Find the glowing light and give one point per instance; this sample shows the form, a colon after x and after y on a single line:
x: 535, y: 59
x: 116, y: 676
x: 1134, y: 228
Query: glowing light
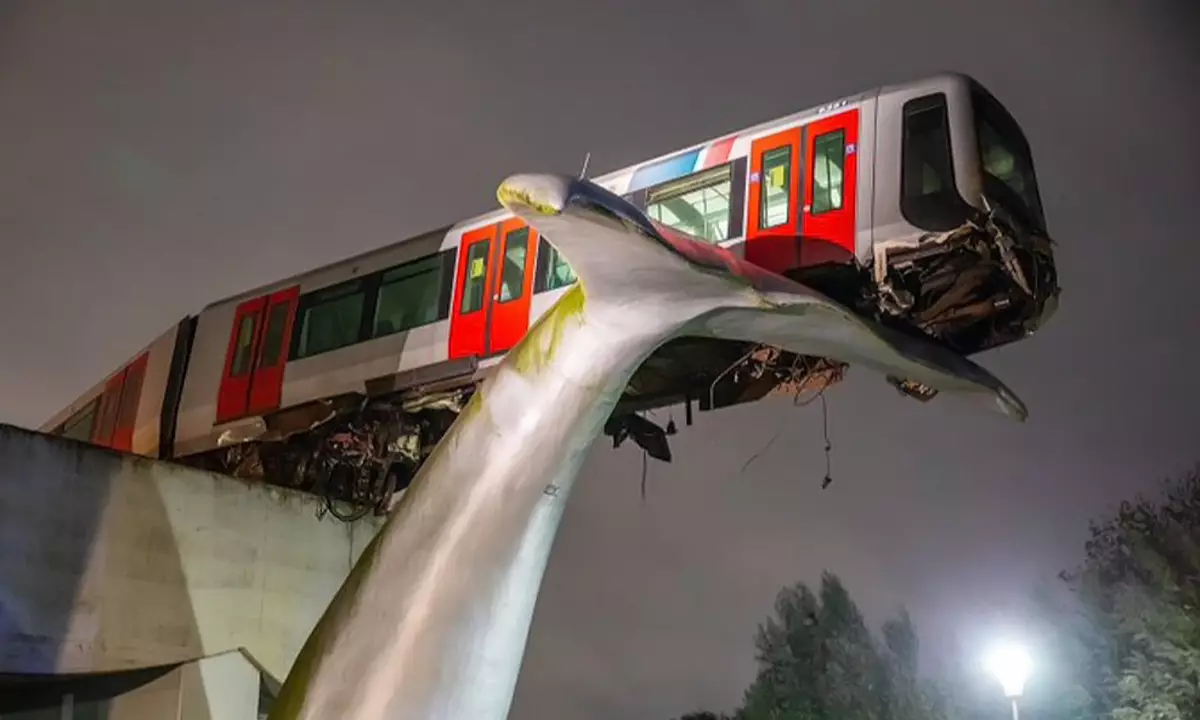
x: 1011, y: 665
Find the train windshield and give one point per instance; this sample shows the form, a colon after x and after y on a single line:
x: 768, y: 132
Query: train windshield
x: 1008, y: 178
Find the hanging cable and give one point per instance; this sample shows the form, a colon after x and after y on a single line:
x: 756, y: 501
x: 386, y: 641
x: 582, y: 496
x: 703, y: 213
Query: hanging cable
x: 796, y: 402
x: 644, y: 476
x: 828, y: 445
x: 712, y: 389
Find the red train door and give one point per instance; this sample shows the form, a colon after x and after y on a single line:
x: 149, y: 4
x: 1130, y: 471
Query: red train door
x: 469, y: 314
x: 131, y: 395
x: 831, y: 186
x: 116, y: 416
x: 266, y: 383
x: 233, y: 398
x: 495, y: 285
x: 252, y: 381
x: 513, y: 286
x: 106, y: 414
x: 773, y: 226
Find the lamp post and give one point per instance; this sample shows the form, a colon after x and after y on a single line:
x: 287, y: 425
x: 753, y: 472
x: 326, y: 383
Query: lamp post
x: 1010, y: 664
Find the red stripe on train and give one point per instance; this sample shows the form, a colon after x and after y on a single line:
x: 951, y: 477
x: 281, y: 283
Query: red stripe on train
x: 719, y: 152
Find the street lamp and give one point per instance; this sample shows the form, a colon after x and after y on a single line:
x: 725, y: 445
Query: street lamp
x: 1011, y: 665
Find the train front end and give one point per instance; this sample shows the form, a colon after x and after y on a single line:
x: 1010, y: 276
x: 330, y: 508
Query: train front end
x: 965, y: 256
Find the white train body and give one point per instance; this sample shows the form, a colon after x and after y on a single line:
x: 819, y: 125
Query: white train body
x: 891, y: 201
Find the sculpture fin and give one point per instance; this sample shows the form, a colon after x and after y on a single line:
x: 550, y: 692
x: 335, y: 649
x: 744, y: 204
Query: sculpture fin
x: 433, y: 619
x: 621, y: 256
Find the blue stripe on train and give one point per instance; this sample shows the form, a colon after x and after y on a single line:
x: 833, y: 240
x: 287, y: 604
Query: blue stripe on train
x: 664, y: 170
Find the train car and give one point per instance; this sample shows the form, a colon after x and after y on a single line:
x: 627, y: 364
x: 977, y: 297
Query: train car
x: 131, y: 410
x: 915, y: 204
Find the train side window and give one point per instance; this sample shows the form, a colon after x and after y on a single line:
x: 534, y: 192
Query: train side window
x: 776, y: 187
x: 512, y: 275
x: 698, y: 204
x: 928, y: 196
x: 331, y: 319
x: 829, y: 155
x: 79, y: 426
x: 476, y: 285
x: 409, y: 296
x: 553, y: 271
x: 245, y: 346
x: 273, y: 335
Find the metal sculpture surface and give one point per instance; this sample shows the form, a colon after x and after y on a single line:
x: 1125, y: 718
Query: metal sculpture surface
x: 432, y: 621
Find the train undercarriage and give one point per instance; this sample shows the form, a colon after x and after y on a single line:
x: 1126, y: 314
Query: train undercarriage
x: 976, y: 287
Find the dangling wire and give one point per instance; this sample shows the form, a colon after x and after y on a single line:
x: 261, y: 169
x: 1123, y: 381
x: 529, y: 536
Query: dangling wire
x: 712, y: 389
x: 644, y: 476
x: 796, y: 402
x: 828, y: 445
x: 750, y: 460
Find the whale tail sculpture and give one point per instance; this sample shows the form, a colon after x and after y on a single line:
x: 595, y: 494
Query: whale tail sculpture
x: 433, y: 619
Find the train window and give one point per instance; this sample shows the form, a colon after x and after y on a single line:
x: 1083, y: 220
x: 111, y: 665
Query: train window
x: 829, y: 155
x: 79, y: 426
x: 332, y: 319
x: 273, y: 336
x: 1007, y: 162
x: 776, y: 187
x: 512, y: 276
x: 928, y: 196
x: 698, y: 204
x: 553, y: 272
x: 409, y: 296
x: 476, y: 284
x: 244, y: 348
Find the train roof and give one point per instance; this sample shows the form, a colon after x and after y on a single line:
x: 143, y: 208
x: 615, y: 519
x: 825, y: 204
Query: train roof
x: 491, y: 215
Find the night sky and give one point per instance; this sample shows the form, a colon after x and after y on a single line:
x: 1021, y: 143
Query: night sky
x: 157, y: 156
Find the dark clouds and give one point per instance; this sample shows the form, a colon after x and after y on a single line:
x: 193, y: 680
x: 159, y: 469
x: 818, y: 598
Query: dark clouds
x: 153, y: 158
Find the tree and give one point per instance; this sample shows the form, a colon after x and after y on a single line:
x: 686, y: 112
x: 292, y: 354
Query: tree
x: 1133, y: 629
x: 817, y: 660
x: 1124, y: 644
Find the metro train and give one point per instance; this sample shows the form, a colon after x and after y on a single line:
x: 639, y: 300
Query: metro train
x: 914, y: 204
